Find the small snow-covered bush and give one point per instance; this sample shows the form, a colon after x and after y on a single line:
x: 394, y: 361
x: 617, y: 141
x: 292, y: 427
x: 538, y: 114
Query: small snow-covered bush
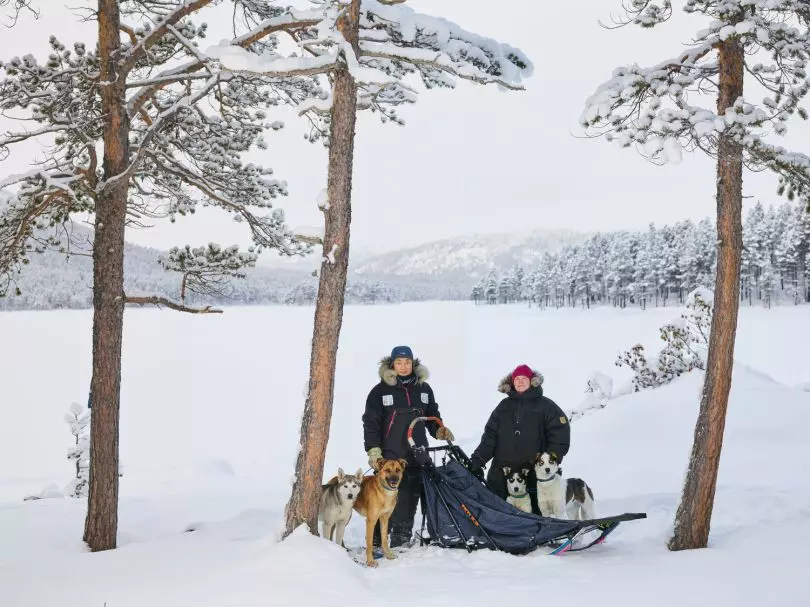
x: 685, y: 342
x: 598, y: 391
x: 79, y: 421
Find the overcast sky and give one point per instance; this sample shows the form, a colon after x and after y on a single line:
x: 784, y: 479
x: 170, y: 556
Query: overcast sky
x: 476, y: 159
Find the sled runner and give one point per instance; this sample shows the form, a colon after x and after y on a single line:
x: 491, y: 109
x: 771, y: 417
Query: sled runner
x: 460, y: 511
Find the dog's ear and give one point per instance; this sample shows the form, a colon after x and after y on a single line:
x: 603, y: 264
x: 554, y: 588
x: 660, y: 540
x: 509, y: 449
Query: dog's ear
x: 507, y: 471
x: 525, y: 471
x: 359, y: 474
x: 552, y: 458
x: 341, y: 475
x: 378, y: 464
x: 403, y: 463
x: 537, y: 457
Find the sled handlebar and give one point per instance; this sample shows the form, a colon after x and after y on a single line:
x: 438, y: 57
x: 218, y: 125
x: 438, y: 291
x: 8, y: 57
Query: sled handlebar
x: 415, y: 421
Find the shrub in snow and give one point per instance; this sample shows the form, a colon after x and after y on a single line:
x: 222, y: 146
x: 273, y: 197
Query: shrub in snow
x: 685, y: 342
x: 79, y: 421
x: 598, y: 389
x: 600, y: 385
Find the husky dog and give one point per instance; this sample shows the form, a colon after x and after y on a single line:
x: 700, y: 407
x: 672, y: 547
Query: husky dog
x: 378, y: 496
x: 516, y: 481
x: 572, y: 500
x: 337, y: 500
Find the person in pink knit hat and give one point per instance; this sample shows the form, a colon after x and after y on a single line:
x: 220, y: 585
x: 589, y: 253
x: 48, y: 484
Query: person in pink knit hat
x: 523, y: 424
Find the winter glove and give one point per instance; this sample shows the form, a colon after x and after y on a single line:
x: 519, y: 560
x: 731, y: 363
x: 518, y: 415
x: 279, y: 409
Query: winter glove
x: 374, y: 455
x: 476, y: 465
x: 444, y: 433
x: 476, y: 468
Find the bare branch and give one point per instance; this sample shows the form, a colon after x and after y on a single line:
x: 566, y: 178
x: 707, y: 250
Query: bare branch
x: 154, y: 300
x: 19, y: 6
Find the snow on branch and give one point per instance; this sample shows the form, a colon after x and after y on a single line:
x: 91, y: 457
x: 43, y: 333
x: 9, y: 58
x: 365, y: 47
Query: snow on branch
x: 139, y: 51
x: 208, y: 270
x: 402, y: 35
x: 37, y: 218
x: 238, y: 60
x: 395, y: 42
x: 650, y: 107
x: 190, y: 125
x: 644, y: 13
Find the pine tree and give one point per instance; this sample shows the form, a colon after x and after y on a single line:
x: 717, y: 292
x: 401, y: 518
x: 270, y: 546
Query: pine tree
x: 129, y: 133
x: 505, y: 289
x: 802, y: 248
x: 79, y: 453
x: 491, y: 290
x: 654, y: 108
x: 367, y: 48
x: 477, y: 293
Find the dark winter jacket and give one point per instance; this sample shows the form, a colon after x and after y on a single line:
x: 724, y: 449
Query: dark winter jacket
x: 390, y: 408
x: 523, y: 425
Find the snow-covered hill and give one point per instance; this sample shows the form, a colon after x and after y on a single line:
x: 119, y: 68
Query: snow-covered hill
x: 441, y: 270
x: 234, y: 395
x: 468, y: 256
x: 53, y: 281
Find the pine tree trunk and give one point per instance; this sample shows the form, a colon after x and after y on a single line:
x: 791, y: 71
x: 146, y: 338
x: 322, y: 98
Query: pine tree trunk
x: 694, y: 514
x: 305, y: 498
x: 101, y: 525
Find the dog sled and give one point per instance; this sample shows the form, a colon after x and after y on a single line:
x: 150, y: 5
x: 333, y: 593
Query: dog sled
x: 460, y: 511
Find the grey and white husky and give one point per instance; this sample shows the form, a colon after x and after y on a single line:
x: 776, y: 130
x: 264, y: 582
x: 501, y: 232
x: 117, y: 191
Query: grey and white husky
x: 337, y: 499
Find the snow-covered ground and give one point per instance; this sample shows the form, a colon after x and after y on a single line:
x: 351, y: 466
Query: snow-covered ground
x: 210, y: 414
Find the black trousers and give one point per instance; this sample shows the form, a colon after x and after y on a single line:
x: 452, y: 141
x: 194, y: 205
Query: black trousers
x: 400, y: 526
x: 496, y: 482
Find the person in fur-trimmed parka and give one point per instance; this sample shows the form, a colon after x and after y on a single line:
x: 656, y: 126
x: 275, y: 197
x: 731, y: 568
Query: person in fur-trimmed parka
x: 523, y: 424
x: 402, y: 394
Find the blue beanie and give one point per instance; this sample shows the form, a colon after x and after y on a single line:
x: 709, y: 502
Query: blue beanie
x: 401, y: 352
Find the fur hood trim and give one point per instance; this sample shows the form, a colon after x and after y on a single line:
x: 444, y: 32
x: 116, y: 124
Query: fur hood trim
x: 505, y: 384
x: 389, y: 376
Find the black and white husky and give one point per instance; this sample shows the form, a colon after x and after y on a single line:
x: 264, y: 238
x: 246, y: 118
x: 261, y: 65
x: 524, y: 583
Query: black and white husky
x: 570, y: 500
x: 516, y: 483
x: 337, y: 500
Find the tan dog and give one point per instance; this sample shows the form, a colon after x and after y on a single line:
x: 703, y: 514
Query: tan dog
x: 378, y: 496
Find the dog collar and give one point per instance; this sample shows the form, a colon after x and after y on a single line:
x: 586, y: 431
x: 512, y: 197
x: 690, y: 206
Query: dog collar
x: 547, y: 479
x: 519, y: 496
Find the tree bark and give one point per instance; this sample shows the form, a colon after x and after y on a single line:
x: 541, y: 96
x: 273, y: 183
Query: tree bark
x: 693, y: 517
x: 101, y: 525
x: 305, y: 497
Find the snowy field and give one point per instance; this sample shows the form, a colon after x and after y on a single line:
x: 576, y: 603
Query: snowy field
x: 209, y: 427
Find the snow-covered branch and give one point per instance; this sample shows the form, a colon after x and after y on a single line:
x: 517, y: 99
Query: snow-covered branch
x: 208, y: 270
x: 139, y: 51
x: 644, y: 13
x: 290, y: 21
x: 650, y: 107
